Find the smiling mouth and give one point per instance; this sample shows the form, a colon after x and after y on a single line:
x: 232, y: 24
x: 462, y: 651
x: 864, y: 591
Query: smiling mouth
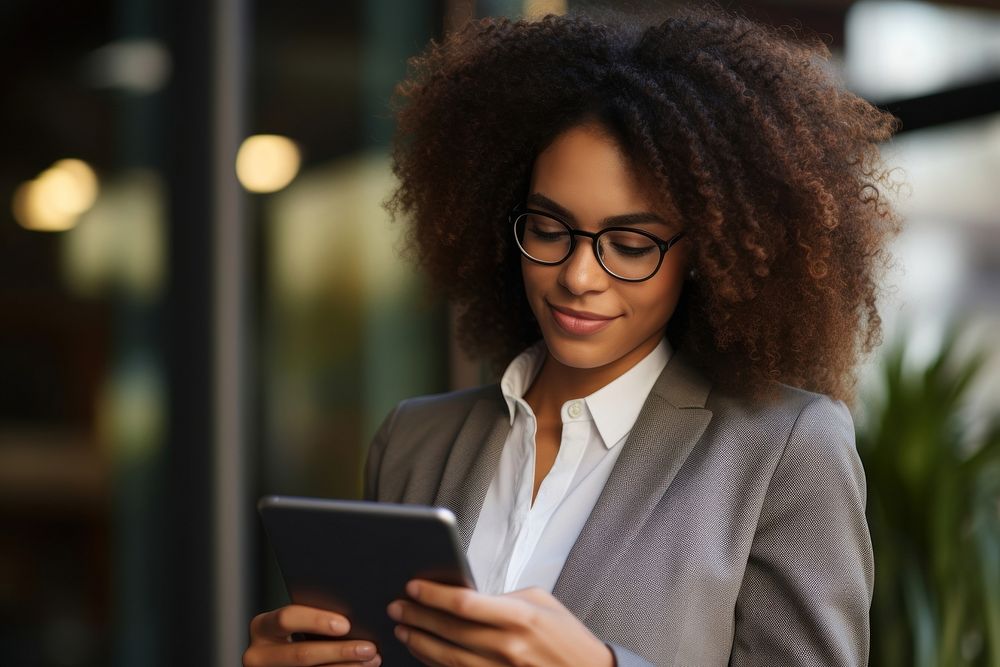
x: 579, y: 323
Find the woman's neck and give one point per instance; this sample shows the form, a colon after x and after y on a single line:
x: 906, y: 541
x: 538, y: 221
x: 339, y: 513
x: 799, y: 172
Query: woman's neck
x: 557, y: 383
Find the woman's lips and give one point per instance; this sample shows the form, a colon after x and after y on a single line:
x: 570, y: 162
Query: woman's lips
x: 579, y: 323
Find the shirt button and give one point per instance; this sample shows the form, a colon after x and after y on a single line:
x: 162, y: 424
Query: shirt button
x: 575, y: 409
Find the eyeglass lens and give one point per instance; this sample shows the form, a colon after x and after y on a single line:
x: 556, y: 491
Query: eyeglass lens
x: 626, y: 254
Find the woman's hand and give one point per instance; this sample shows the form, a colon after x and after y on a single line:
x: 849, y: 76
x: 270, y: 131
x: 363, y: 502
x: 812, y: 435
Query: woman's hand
x: 452, y: 625
x: 271, y: 642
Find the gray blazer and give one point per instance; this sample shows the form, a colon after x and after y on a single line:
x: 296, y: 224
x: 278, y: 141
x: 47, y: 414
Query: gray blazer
x: 728, y: 532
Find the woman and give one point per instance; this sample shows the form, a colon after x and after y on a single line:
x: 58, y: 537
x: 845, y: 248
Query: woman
x: 668, y: 236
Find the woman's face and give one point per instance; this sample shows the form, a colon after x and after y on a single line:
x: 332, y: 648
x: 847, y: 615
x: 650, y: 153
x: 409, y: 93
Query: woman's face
x: 590, y: 319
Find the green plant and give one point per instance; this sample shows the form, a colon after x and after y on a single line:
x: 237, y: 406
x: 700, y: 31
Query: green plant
x: 934, y: 512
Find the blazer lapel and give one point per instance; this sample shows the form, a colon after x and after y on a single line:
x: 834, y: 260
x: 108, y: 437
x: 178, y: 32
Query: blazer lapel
x: 671, y: 421
x: 472, y: 462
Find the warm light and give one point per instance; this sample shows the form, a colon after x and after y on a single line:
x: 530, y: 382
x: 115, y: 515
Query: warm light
x: 536, y: 9
x: 36, y: 209
x: 77, y: 185
x: 267, y: 162
x: 33, y: 211
x: 53, y: 201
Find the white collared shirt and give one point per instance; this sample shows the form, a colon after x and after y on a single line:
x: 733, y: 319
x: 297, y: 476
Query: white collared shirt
x: 516, y: 544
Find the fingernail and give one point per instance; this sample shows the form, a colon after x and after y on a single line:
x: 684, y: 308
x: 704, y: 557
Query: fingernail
x: 364, y: 651
x: 374, y: 662
x: 395, y: 610
x: 413, y: 588
x: 402, y: 632
x: 338, y: 626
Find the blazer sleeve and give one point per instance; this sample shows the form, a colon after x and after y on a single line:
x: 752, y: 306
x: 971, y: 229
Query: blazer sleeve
x: 807, y: 589
x: 376, y: 449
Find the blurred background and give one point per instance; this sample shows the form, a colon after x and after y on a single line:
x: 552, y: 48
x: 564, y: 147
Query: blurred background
x: 201, y: 302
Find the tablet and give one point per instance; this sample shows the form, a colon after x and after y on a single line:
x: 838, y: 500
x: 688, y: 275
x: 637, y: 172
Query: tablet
x: 354, y: 557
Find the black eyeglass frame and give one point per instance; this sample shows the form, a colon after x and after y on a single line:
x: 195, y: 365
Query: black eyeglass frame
x: 662, y: 245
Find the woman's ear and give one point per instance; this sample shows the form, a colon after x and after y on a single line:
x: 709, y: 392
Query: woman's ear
x: 690, y: 272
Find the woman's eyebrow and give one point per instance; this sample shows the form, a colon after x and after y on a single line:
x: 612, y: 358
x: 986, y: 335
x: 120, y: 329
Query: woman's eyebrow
x: 539, y: 199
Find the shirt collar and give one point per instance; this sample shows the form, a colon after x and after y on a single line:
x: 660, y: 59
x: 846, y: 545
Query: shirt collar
x: 520, y: 374
x: 614, y: 407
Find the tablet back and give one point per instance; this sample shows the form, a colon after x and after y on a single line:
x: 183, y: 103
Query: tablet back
x: 355, y: 557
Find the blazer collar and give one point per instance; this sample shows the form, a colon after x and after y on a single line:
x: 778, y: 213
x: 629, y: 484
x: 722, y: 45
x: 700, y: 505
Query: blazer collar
x: 472, y: 463
x: 671, y: 422
x: 681, y: 384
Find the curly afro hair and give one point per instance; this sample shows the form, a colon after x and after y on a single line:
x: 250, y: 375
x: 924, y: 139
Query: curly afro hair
x: 735, y: 129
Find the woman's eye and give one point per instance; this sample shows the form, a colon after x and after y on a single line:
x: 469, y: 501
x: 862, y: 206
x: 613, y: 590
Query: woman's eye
x: 627, y: 244
x: 547, y: 234
x: 632, y: 251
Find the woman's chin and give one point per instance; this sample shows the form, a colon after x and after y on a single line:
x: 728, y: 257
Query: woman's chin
x: 582, y: 354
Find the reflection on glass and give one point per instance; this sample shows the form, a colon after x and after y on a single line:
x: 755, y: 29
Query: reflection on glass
x: 949, y: 251
x: 349, y: 330
x: 119, y: 243
x: 897, y: 49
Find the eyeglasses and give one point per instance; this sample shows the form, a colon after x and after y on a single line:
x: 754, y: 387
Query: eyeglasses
x: 628, y: 254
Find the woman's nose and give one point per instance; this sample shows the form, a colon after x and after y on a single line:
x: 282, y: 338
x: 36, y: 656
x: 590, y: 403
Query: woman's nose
x: 581, y: 272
